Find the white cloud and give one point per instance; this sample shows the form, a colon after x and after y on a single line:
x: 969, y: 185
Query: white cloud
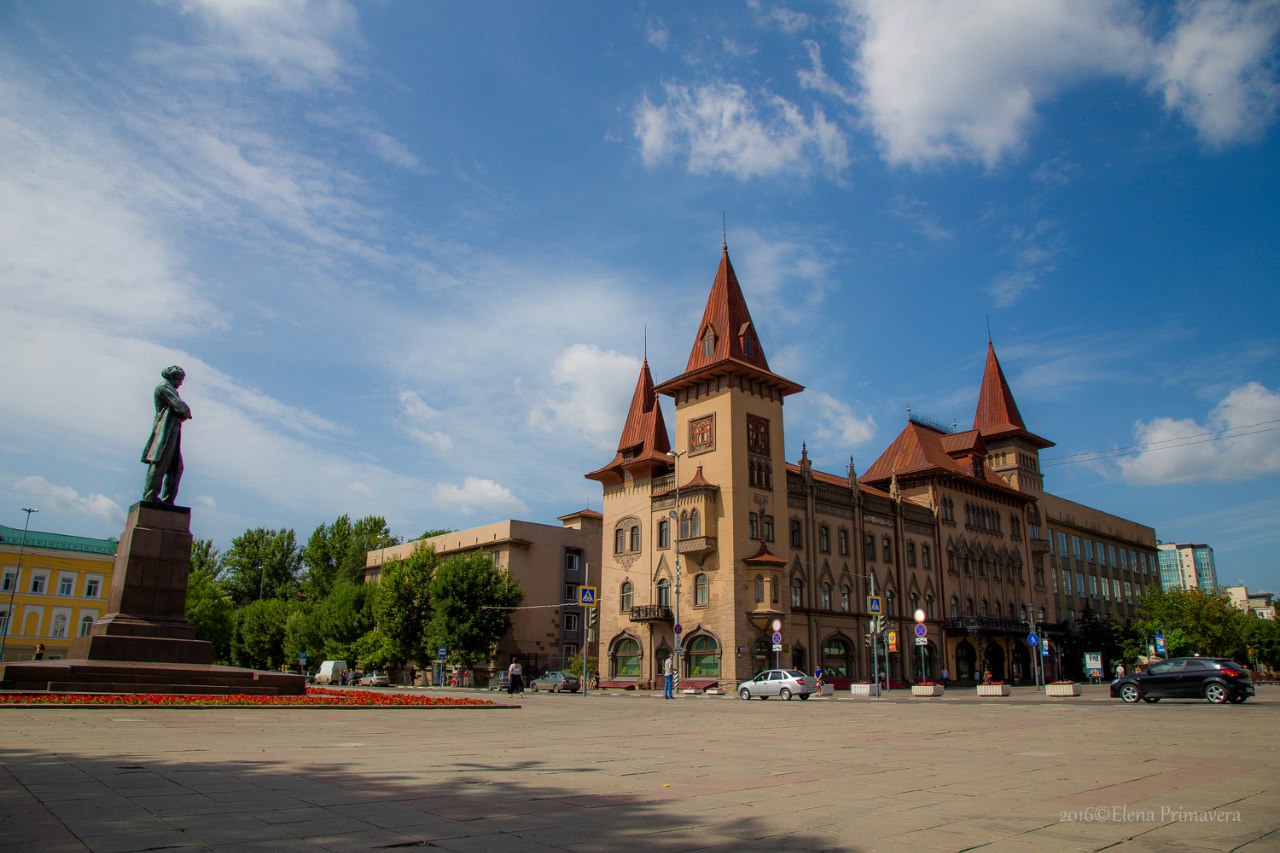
x: 940, y: 81
x: 657, y: 34
x: 477, y: 494
x: 721, y: 127
x: 1239, y: 440
x: 297, y: 44
x: 589, y: 396
x: 418, y: 418
x: 832, y: 426
x: 1218, y: 67
x: 1034, y: 249
x: 948, y: 81
x: 392, y: 150
x: 67, y: 502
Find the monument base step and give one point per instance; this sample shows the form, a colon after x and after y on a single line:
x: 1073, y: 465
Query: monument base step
x: 98, y: 676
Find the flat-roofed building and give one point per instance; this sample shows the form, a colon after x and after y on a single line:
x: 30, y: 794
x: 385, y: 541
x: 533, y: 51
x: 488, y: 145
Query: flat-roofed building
x: 1188, y: 566
x: 550, y: 562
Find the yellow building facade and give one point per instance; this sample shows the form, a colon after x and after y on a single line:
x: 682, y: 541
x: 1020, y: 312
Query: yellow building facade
x: 61, y: 588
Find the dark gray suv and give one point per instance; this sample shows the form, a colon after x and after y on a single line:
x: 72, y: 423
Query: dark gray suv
x: 1217, y: 680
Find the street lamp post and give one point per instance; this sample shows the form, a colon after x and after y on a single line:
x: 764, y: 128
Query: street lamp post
x: 678, y: 651
x: 17, y: 574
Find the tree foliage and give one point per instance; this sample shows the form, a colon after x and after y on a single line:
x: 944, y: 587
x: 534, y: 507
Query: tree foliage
x: 262, y: 564
x: 210, y: 611
x: 336, y: 552
x: 206, y: 558
x: 258, y: 641
x: 472, y: 599
x: 402, y: 606
x: 1196, y: 623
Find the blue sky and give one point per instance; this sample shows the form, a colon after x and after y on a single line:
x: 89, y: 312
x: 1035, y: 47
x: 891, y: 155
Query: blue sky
x: 407, y: 252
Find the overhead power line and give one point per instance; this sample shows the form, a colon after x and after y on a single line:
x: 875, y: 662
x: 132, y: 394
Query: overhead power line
x: 1162, y: 444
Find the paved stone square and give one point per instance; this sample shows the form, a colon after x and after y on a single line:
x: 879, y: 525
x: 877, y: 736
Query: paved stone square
x: 636, y: 773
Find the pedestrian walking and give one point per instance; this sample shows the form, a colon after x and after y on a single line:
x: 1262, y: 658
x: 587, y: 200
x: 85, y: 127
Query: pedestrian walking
x: 945, y: 675
x: 668, y: 678
x: 1120, y: 670
x: 515, y: 678
x: 39, y: 655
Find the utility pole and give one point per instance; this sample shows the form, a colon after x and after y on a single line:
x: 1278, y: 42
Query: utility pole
x: 17, y: 575
x: 676, y: 520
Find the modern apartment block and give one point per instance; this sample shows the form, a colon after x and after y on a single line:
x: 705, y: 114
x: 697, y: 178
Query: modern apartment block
x: 550, y: 562
x: 1188, y: 566
x: 63, y: 586
x: 1260, y: 604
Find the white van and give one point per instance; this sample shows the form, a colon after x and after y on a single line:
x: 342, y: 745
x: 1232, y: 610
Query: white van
x: 331, y: 672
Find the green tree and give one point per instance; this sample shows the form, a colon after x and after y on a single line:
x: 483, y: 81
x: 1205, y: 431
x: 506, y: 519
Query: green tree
x: 210, y: 612
x: 262, y: 564
x: 302, y: 634
x: 430, y: 534
x: 258, y: 641
x: 1194, y: 623
x: 1262, y: 639
x: 336, y: 552
x: 206, y: 558
x: 472, y: 599
x: 345, y: 615
x: 402, y: 606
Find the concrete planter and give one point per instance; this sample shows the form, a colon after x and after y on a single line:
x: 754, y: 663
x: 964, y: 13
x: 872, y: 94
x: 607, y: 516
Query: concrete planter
x: 993, y: 690
x: 926, y: 690
x: 1062, y: 689
x: 827, y: 690
x: 866, y: 691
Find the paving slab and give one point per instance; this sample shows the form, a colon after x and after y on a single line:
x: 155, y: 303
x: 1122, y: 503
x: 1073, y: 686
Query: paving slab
x: 630, y: 772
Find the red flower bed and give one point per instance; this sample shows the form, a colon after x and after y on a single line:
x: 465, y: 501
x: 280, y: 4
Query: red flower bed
x: 315, y: 697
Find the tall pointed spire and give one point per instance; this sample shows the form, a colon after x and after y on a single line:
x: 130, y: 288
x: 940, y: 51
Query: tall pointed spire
x: 726, y: 341
x: 644, y: 442
x: 997, y: 413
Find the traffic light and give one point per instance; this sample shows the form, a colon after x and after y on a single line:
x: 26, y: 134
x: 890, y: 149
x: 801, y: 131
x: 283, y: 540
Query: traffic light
x: 592, y: 620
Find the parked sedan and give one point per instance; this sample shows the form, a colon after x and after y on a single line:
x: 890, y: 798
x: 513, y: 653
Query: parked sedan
x: 783, y: 683
x: 501, y: 681
x: 556, y: 682
x: 1216, y: 679
x: 375, y: 679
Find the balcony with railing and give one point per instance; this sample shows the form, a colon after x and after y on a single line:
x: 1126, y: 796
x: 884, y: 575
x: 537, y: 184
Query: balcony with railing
x: 696, y: 546
x: 651, y: 613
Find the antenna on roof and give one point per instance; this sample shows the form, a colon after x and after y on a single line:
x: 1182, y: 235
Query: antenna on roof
x: 646, y: 341
x: 988, y: 328
x: 724, y: 228
x: 954, y: 426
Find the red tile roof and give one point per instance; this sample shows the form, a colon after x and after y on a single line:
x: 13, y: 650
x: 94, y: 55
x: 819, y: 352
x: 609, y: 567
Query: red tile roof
x: 997, y: 413
x: 920, y: 450
x: 644, y: 435
x: 734, y: 342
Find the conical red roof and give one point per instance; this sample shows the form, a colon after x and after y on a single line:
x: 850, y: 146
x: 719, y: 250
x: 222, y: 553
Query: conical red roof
x: 726, y: 342
x: 644, y: 435
x: 997, y: 413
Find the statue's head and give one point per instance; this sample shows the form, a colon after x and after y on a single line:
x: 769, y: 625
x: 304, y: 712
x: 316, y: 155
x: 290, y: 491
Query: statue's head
x: 174, y: 374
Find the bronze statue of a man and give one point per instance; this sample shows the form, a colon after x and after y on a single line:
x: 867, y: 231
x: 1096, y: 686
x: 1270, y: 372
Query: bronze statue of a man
x: 163, y: 453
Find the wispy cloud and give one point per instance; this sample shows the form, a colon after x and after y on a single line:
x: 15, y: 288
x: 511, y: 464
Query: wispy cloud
x: 479, y: 495
x: 723, y: 128
x: 66, y: 501
x: 589, y: 395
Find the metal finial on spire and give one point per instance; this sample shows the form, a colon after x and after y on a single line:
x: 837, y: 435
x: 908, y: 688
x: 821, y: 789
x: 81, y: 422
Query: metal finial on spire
x: 724, y: 229
x: 646, y: 342
x: 988, y: 328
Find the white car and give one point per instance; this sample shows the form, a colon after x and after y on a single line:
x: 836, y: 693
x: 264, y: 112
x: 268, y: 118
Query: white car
x: 375, y: 679
x: 783, y: 683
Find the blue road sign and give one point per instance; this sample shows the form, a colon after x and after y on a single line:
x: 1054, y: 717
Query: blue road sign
x: 1044, y: 650
x: 1033, y: 639
x: 777, y: 638
x: 679, y: 628
x: 873, y: 604
x: 921, y: 631
x: 442, y: 652
x: 587, y: 596
x: 1160, y: 644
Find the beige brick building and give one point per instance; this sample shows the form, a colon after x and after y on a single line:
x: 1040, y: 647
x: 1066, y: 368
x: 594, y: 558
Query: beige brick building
x: 549, y: 561
x: 710, y: 544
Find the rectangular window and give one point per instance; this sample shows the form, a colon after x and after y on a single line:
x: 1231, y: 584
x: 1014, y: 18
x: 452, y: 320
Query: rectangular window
x: 1111, y: 550
x: 768, y: 528
x: 1128, y: 591
x: 39, y: 582
x: 844, y: 542
x: 92, y: 587
x: 1115, y: 589
x: 1051, y: 551
x: 887, y: 546
x: 66, y: 583
x: 1133, y: 560
x: 1080, y: 587
x: 758, y: 435
x: 10, y: 579
x: 1075, y: 547
x: 570, y: 651
x: 753, y: 526
x: 1093, y: 585
x: 1088, y: 550
x: 824, y: 539
x: 1102, y: 554
x: 571, y: 622
x: 911, y: 555
x: 870, y: 549
x: 570, y: 592
x: 926, y: 560
x: 702, y: 434
x: 1062, y: 544
x: 1066, y: 582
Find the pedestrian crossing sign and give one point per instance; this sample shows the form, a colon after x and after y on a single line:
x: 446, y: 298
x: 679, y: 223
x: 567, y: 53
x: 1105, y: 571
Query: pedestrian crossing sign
x: 587, y: 596
x: 873, y: 604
